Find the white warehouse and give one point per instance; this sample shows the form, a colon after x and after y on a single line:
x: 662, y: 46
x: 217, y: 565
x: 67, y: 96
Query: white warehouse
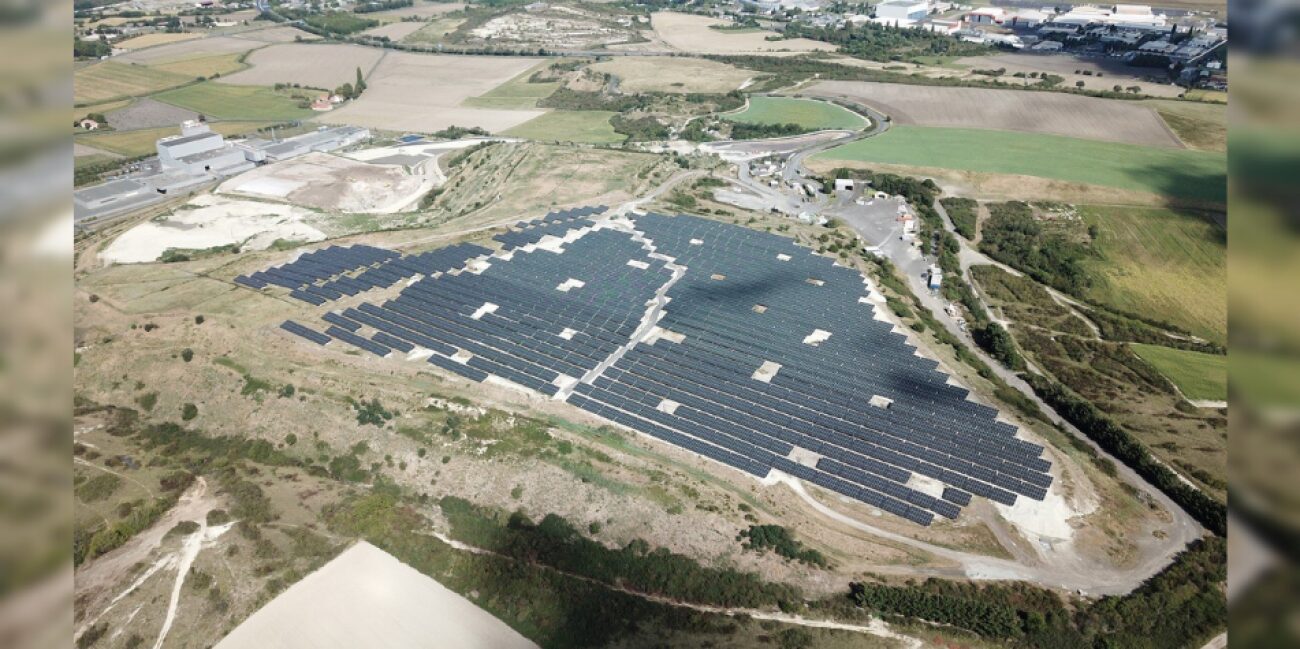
x: 198, y: 150
x: 902, y: 10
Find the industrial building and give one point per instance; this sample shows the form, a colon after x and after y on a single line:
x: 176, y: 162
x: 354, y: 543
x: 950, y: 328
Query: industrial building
x: 902, y: 10
x: 324, y: 139
x: 198, y: 150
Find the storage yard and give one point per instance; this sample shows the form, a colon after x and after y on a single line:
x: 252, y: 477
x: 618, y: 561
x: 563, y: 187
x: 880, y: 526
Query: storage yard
x: 680, y: 328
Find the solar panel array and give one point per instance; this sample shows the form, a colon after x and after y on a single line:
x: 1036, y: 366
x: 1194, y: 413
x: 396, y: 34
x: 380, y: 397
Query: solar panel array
x: 329, y: 273
x: 555, y: 223
x: 763, y: 356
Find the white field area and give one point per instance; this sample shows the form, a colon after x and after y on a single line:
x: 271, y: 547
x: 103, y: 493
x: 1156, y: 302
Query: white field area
x: 691, y: 33
x: 673, y: 74
x: 395, y: 31
x: 420, y: 9
x: 209, y: 221
x: 150, y: 40
x: 325, y: 65
x: 422, y: 93
x: 332, y: 183
x: 279, y: 34
x: 1111, y: 120
x: 367, y: 598
x: 191, y: 49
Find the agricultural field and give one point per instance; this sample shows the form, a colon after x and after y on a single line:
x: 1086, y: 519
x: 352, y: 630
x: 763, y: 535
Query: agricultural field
x: 223, y: 101
x: 1109, y: 120
x: 151, y: 40
x: 585, y: 126
x: 419, y: 9
x: 424, y: 94
x: 1101, y: 74
x: 1163, y: 264
x: 433, y: 32
x: 324, y: 66
x: 516, y: 94
x: 1199, y: 125
x: 695, y: 34
x: 205, y: 66
x: 1194, y: 176
x: 148, y: 113
x: 141, y: 142
x: 192, y: 49
x: 673, y: 74
x: 1199, y: 376
x: 108, y: 80
x: 810, y: 114
x: 395, y: 31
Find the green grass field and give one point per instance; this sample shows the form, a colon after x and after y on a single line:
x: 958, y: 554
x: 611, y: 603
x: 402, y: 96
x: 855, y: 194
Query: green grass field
x: 1199, y: 376
x: 587, y: 126
x: 515, y: 94
x: 804, y: 112
x: 223, y: 101
x: 141, y: 142
x: 1164, y: 264
x: 1180, y: 173
x: 107, y: 80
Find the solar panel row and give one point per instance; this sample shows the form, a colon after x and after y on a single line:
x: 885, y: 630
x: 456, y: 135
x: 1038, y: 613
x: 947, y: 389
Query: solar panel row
x: 747, y: 299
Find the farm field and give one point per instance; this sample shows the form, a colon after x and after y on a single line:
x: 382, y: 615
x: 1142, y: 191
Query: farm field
x: 1163, y: 264
x: 1008, y: 110
x: 424, y: 94
x: 148, y: 113
x: 324, y: 66
x: 141, y: 142
x: 190, y: 49
x: 807, y: 113
x: 150, y: 40
x: 673, y: 74
x: 586, y: 126
x: 435, y: 31
x: 224, y: 101
x: 394, y: 30
x: 691, y: 33
x: 284, y: 34
x: 108, y: 80
x: 516, y: 94
x: 1199, y: 125
x: 1199, y: 376
x: 1104, y: 73
x: 420, y: 9
x: 204, y: 66
x: 1182, y: 174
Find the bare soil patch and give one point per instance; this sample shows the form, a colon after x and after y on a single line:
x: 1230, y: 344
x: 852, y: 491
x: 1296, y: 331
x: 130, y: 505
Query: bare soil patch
x: 395, y: 31
x: 279, y: 35
x: 420, y: 9
x: 328, y: 182
x: 149, y: 40
x: 422, y: 93
x: 1009, y: 110
x: 657, y: 73
x: 318, y: 66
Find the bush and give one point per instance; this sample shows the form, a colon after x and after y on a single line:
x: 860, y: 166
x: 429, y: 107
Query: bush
x: 189, y: 411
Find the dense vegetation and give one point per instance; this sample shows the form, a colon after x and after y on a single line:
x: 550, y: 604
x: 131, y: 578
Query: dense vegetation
x: 90, y: 49
x: 883, y: 43
x: 329, y: 22
x: 1184, y: 605
x: 1014, y: 237
x: 1118, y: 442
x: 639, y: 129
x: 745, y: 131
x: 557, y: 543
x: 964, y: 213
x: 779, y: 539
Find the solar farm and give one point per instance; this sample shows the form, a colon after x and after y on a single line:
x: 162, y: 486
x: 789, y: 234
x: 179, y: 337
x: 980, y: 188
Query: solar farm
x: 738, y: 345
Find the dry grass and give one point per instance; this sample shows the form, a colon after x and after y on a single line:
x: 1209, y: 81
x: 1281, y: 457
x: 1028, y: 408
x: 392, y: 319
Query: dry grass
x: 395, y: 30
x: 1009, y: 110
x: 691, y: 33
x: 422, y: 93
x: 205, y: 67
x: 108, y: 80
x: 141, y: 142
x: 314, y: 65
x: 150, y: 40
x: 1199, y: 125
x: 662, y: 74
x: 191, y: 49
